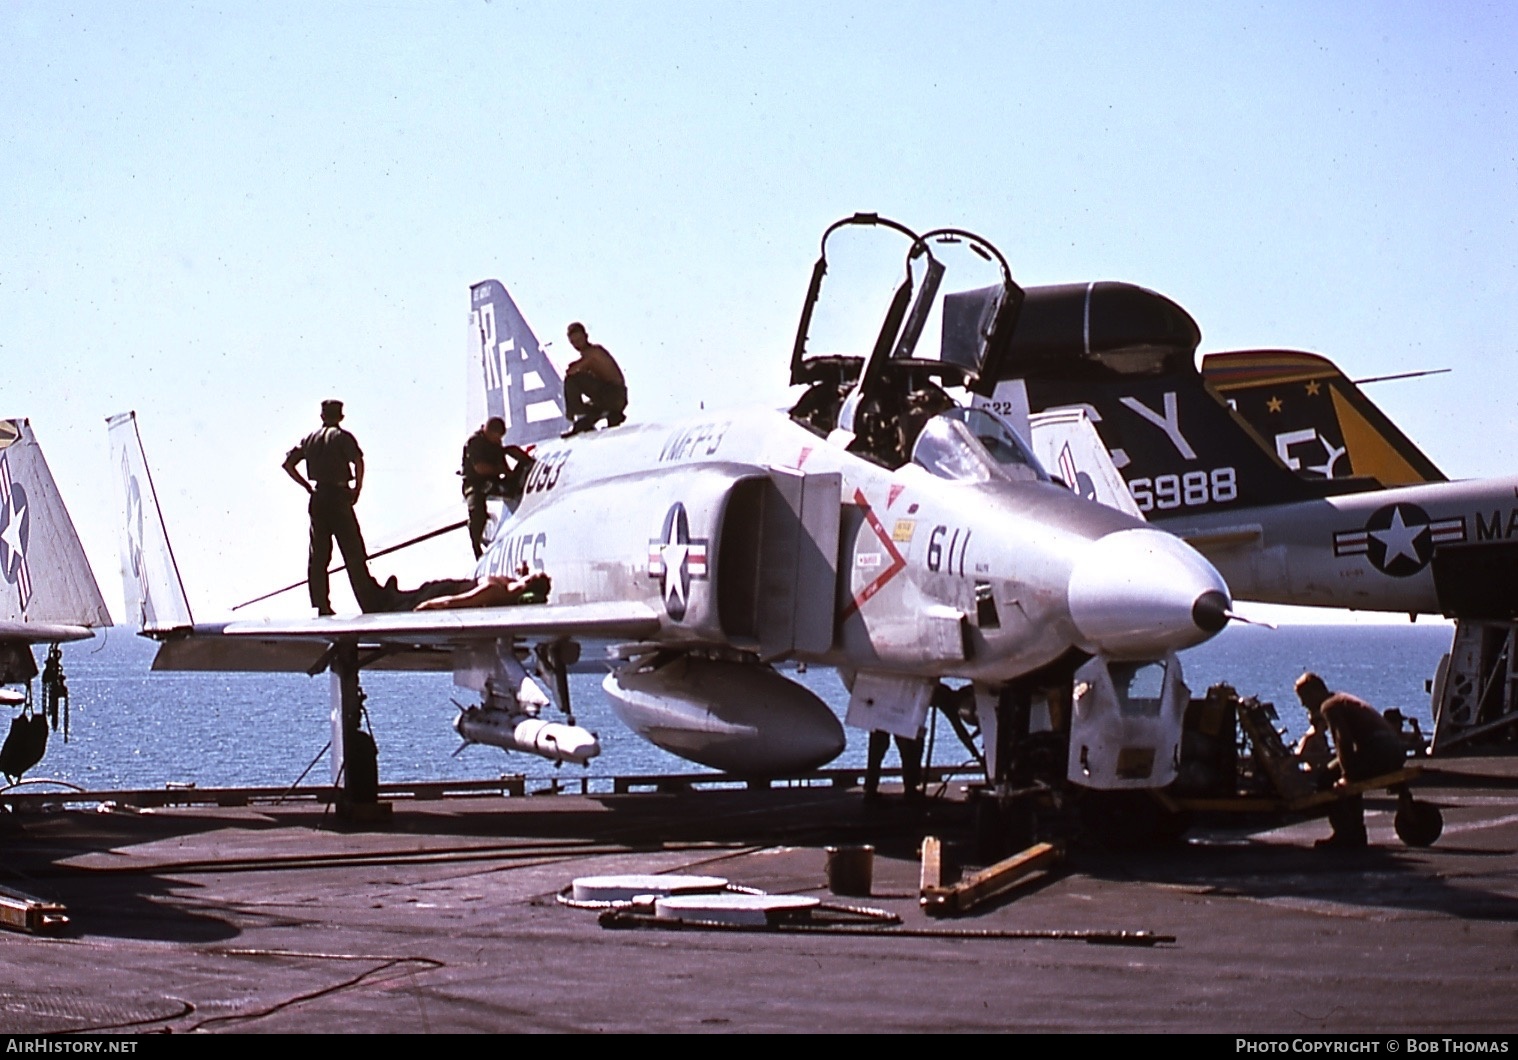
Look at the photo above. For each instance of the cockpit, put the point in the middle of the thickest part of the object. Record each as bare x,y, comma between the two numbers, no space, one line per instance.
921,333
974,445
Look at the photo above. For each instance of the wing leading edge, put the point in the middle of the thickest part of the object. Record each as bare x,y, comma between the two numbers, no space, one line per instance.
413,640
444,629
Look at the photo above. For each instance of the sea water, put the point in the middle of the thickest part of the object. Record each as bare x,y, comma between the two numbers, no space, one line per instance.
132,728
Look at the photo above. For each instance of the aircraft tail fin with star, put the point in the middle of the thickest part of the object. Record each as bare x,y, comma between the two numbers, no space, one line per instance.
154,593
47,590
1320,422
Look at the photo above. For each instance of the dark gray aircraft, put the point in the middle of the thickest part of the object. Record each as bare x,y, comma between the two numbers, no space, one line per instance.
1280,471
1277,531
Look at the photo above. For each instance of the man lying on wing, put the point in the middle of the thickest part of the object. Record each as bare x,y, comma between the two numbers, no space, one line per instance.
496,590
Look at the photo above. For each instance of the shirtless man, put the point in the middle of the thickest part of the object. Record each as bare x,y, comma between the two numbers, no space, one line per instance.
593,385
1364,743
495,590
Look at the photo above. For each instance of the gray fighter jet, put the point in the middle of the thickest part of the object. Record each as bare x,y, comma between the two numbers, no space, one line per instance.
879,527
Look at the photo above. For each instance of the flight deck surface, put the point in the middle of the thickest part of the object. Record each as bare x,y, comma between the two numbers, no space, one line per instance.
275,918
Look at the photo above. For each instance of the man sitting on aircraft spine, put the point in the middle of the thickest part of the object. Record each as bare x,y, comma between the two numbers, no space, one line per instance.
593,385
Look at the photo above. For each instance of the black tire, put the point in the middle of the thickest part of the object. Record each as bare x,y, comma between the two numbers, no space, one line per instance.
362,768
1002,828
1419,824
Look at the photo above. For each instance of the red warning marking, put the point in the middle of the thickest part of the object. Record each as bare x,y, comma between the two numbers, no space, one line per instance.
896,566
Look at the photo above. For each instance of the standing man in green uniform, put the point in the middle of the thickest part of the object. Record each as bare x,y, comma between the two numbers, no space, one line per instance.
335,464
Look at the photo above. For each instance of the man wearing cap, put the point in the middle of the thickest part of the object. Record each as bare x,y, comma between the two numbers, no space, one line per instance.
593,385
335,465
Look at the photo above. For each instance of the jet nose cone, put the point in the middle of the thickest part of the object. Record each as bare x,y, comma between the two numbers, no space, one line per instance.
1140,593
1212,611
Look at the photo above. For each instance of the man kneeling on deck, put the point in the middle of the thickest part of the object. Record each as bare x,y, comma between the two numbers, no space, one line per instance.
1365,746
496,590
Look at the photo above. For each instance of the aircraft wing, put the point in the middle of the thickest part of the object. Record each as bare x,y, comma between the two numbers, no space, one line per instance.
402,640
462,625
154,594
410,640
42,632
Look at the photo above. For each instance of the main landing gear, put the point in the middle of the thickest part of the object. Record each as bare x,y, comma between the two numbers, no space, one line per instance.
355,756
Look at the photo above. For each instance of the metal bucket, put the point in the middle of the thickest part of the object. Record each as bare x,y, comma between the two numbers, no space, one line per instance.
850,869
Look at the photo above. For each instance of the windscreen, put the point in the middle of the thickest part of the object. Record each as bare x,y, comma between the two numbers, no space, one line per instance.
975,445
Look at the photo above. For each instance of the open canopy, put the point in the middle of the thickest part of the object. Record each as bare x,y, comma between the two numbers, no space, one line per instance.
949,316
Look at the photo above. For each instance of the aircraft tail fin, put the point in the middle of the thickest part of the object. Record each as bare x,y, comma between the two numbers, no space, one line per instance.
509,374
1068,446
1126,356
44,575
1178,445
1306,406
154,593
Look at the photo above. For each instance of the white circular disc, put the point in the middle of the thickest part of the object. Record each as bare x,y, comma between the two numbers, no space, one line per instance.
626,888
745,909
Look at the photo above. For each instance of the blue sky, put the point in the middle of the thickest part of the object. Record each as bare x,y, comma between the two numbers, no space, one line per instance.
219,214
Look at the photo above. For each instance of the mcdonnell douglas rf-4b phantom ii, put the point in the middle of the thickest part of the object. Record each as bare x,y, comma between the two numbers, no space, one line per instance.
1287,477
878,528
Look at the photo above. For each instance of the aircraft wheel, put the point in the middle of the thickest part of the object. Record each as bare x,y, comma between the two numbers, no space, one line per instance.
1002,827
1040,759
1172,826
1418,824
362,780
